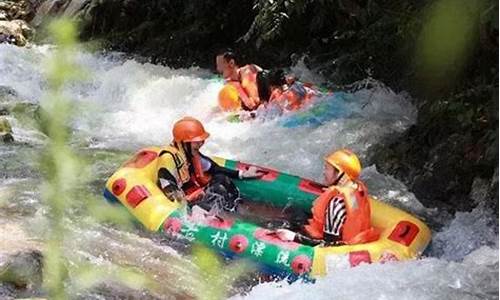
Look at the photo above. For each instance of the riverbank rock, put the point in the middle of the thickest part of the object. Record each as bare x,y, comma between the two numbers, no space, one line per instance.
15,32
5,131
21,9
20,263
7,93
22,269
14,18
445,165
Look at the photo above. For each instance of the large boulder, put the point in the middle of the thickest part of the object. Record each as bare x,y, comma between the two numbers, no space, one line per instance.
20,262
14,18
15,32
21,9
22,269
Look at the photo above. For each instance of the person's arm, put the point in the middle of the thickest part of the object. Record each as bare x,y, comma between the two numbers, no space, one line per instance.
334,220
214,168
335,215
291,236
248,77
305,240
168,185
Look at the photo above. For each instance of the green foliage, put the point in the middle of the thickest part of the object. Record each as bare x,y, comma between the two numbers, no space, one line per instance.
65,173
215,277
57,161
274,16
278,19
66,191
270,18
448,36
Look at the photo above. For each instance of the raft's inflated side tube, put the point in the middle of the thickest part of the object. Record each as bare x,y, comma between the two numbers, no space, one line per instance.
276,188
134,186
402,235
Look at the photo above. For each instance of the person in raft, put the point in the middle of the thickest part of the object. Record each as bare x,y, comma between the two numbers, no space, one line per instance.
248,78
253,86
341,214
185,173
289,93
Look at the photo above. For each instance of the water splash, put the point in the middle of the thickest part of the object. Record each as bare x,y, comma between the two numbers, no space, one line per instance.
476,277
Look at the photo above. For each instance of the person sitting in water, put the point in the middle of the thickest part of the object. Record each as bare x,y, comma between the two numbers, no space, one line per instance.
184,171
289,93
247,76
341,214
257,86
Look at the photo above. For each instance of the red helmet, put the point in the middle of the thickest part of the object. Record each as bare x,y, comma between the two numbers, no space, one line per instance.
189,129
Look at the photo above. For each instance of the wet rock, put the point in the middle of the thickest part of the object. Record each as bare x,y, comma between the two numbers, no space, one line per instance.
81,10
21,274
21,9
5,131
5,126
7,138
444,163
20,262
480,190
7,92
14,18
7,291
493,193
15,32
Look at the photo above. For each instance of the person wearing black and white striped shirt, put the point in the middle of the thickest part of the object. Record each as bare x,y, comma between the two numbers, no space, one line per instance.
335,215
341,214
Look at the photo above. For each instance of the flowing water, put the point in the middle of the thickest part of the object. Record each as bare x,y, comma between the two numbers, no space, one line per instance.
125,105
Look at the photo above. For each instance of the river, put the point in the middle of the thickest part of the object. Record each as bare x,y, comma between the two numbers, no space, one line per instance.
125,104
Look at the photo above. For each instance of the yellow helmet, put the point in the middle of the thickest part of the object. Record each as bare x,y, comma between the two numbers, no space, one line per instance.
345,161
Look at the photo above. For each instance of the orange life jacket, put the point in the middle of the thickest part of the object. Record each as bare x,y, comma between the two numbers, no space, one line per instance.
197,181
200,177
357,228
293,99
177,164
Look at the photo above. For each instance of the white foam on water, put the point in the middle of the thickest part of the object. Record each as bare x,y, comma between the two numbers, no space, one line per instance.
464,265
476,277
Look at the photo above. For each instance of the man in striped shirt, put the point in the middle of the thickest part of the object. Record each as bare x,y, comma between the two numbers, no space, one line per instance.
341,214
334,220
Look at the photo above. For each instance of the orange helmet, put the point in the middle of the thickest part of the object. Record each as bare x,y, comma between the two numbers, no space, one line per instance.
345,161
189,129
229,98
